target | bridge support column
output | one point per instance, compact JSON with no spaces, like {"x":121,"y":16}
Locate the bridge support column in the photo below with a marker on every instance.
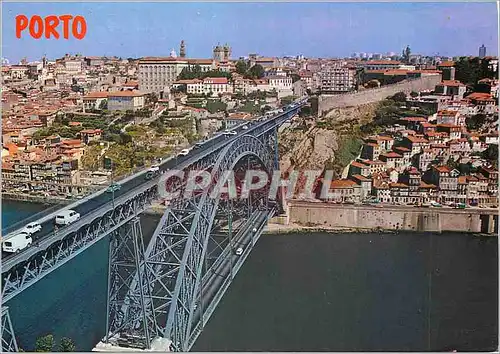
{"x":9,"y":343}
{"x":491,"y":224}
{"x":129,"y":319}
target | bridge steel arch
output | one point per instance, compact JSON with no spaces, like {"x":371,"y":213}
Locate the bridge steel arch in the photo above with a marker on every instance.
{"x":177,"y":252}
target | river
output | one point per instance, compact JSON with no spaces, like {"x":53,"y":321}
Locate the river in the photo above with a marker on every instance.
{"x":304,"y":292}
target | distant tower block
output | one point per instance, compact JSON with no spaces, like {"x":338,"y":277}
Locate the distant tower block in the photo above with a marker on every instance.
{"x":182,"y":51}
{"x":482,"y":51}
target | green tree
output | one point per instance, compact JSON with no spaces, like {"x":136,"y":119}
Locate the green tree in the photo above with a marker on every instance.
{"x":66,"y":345}
{"x":256,"y":72}
{"x":287,"y":100}
{"x":45,"y":343}
{"x":216,"y":106}
{"x":125,"y":138}
{"x":453,"y":164}
{"x":399,"y":97}
{"x":414,"y":94}
{"x":491,"y":154}
{"x":103,"y":104}
{"x":471,"y":70}
{"x":475,"y":122}
{"x":241,"y":67}
{"x":90,"y":159}
{"x":151,"y":98}
{"x":295,"y":77}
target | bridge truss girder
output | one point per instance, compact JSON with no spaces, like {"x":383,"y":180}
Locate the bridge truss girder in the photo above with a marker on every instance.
{"x":178,"y":254}
{"x":9,"y":342}
{"x":27,"y":273}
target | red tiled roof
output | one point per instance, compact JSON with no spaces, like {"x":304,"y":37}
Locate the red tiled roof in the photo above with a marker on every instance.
{"x":126,"y":94}
{"x":416,"y":139}
{"x":427,"y":185}
{"x":382,"y":62}
{"x":443,"y":169}
{"x":446,"y":64}
{"x":200,"y":61}
{"x":361,"y":178}
{"x":451,"y":83}
{"x":391,"y":154}
{"x":342,"y":183}
{"x":188,"y":81}
{"x":98,"y":94}
{"x":358,"y":164}
{"x":215,"y":80}
{"x":398,"y":185}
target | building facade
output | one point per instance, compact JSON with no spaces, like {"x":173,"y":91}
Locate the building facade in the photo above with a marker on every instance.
{"x":125,"y":100}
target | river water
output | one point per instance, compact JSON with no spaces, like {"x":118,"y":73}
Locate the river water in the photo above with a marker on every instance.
{"x":298,"y":292}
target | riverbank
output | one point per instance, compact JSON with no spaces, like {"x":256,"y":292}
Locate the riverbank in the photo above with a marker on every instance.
{"x":280,"y":229}
{"x":20,"y":197}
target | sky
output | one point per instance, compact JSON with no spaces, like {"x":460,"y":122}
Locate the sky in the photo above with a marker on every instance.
{"x":269,"y":29}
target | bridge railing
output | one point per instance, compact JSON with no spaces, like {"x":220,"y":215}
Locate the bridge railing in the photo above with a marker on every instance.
{"x":21,"y":223}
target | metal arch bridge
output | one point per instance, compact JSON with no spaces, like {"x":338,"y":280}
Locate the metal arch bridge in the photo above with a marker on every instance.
{"x":160,"y":297}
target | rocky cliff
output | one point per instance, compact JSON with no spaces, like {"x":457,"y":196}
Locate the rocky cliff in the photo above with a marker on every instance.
{"x":331,"y":141}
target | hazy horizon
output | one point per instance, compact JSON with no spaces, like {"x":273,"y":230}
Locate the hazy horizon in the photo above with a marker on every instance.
{"x":269,"y":29}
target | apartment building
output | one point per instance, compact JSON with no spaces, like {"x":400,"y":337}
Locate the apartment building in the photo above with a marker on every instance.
{"x":337,"y":79}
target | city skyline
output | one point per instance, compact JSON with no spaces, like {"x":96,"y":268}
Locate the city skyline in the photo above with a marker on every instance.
{"x":309,"y":29}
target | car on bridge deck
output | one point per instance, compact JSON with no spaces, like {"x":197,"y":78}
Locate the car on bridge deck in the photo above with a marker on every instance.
{"x":31,"y":228}
{"x":17,"y":242}
{"x":113,"y":188}
{"x":154,"y":168}
{"x":184,"y":152}
{"x":67,"y":217}
{"x":198,"y":145}
{"x":229,"y":132}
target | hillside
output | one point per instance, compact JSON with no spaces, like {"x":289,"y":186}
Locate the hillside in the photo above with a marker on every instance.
{"x":332,"y":141}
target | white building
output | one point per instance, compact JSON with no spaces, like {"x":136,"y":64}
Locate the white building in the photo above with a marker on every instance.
{"x":73,"y":66}
{"x":93,"y":100}
{"x":19,"y":72}
{"x":213,"y":85}
{"x":125,"y":100}
{"x":155,"y":74}
{"x":282,"y":85}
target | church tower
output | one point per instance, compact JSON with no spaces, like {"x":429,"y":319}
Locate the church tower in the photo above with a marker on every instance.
{"x":182,"y":51}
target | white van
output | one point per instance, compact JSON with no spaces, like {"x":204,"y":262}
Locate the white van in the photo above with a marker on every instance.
{"x":17,"y":242}
{"x":67,"y":217}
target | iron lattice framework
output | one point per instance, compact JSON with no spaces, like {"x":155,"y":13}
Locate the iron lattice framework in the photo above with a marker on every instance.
{"x":45,"y":258}
{"x":194,"y":240}
{"x":9,"y":343}
{"x":126,"y":257}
